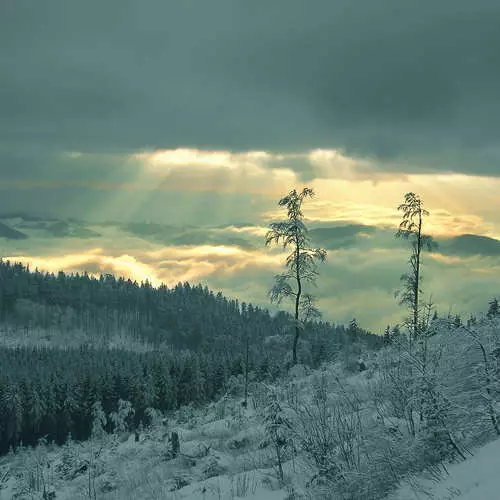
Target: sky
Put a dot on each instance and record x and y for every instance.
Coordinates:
(154, 139)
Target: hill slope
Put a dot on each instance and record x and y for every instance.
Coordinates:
(475, 479)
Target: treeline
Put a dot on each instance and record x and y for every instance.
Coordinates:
(184, 317)
(202, 339)
(50, 392)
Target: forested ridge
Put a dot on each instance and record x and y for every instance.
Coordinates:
(184, 316)
(197, 348)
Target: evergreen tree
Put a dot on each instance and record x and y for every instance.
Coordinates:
(411, 228)
(353, 329)
(99, 420)
(387, 335)
(301, 262)
(494, 309)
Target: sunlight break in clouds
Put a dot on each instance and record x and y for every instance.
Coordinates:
(95, 262)
(348, 189)
(253, 171)
(457, 203)
(258, 231)
(227, 252)
(196, 157)
(334, 164)
(320, 163)
(196, 170)
(169, 264)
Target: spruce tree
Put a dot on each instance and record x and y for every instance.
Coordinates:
(494, 309)
(301, 263)
(411, 229)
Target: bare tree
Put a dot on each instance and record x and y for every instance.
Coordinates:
(301, 262)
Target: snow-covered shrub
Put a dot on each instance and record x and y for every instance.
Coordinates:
(154, 418)
(179, 481)
(99, 420)
(329, 430)
(349, 357)
(220, 408)
(277, 429)
(235, 385)
(243, 484)
(238, 443)
(35, 475)
(188, 415)
(122, 417)
(213, 468)
(72, 462)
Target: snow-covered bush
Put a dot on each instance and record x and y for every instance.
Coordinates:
(122, 417)
(278, 430)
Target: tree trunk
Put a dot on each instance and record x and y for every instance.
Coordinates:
(417, 277)
(174, 437)
(297, 304)
(245, 403)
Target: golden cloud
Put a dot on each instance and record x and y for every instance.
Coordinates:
(167, 265)
(95, 262)
(458, 204)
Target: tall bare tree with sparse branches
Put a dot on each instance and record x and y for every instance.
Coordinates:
(411, 228)
(301, 263)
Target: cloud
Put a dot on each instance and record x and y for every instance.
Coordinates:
(197, 187)
(178, 235)
(259, 171)
(201, 115)
(469, 244)
(94, 262)
(414, 84)
(180, 169)
(358, 280)
(345, 236)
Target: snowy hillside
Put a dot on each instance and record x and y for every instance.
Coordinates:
(477, 478)
(381, 429)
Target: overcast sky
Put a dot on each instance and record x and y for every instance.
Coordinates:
(202, 114)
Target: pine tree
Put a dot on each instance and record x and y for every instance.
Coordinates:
(301, 262)
(98, 421)
(122, 417)
(387, 335)
(353, 329)
(494, 309)
(277, 428)
(411, 228)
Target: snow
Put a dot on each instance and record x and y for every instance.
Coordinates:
(225, 454)
(477, 478)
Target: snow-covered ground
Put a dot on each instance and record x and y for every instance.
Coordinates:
(477, 478)
(136, 470)
(221, 458)
(226, 452)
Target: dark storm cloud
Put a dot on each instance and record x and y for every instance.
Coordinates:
(411, 83)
